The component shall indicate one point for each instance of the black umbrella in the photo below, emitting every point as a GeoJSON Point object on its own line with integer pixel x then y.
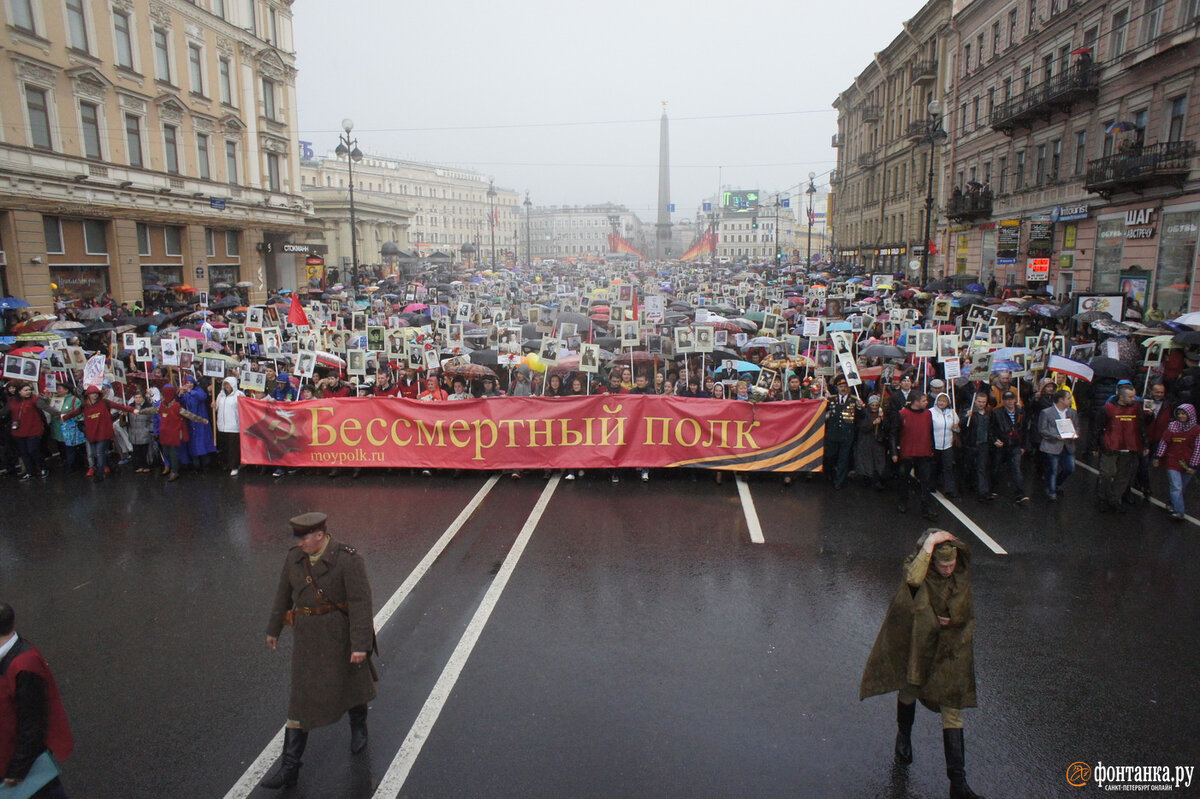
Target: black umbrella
{"type": "Point", "coordinates": [485, 357]}
{"type": "Point", "coordinates": [939, 285]}
{"type": "Point", "coordinates": [608, 342]}
{"type": "Point", "coordinates": [1110, 367]}
{"type": "Point", "coordinates": [1188, 337]}
{"type": "Point", "coordinates": [225, 303]}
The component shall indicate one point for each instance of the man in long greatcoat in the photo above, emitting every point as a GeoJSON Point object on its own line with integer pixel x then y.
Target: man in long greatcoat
{"type": "Point", "coordinates": [925, 649]}
{"type": "Point", "coordinates": [324, 594]}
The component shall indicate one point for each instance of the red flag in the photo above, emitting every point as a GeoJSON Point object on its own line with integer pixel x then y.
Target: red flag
{"type": "Point", "coordinates": [296, 314]}
{"type": "Point", "coordinates": [635, 308]}
{"type": "Point", "coordinates": [933, 250]}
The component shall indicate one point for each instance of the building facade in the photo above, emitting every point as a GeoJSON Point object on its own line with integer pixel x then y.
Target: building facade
{"type": "Point", "coordinates": [565, 232]}
{"type": "Point", "coordinates": [147, 143]}
{"type": "Point", "coordinates": [1074, 146]}
{"type": "Point", "coordinates": [421, 208]}
{"type": "Point", "coordinates": [880, 186]}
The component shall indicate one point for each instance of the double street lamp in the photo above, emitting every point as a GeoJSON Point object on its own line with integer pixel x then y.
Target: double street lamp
{"type": "Point", "coordinates": [491, 195]}
{"type": "Point", "coordinates": [811, 191]}
{"type": "Point", "coordinates": [933, 134]}
{"type": "Point", "coordinates": [528, 241]}
{"type": "Point", "coordinates": [349, 148]}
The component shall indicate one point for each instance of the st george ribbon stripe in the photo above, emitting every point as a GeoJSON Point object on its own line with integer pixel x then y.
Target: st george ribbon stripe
{"type": "Point", "coordinates": [397, 773]}
{"type": "Point", "coordinates": [258, 769]}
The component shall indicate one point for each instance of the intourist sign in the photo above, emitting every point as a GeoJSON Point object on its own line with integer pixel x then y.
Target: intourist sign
{"type": "Point", "coordinates": [1139, 223]}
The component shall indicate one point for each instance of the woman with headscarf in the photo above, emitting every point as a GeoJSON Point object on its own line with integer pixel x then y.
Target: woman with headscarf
{"type": "Point", "coordinates": [228, 429]}
{"type": "Point", "coordinates": [433, 391]}
{"type": "Point", "coordinates": [173, 429]}
{"type": "Point", "coordinates": [195, 400]}
{"type": "Point", "coordinates": [68, 434]}
{"type": "Point", "coordinates": [1179, 453]}
{"type": "Point", "coordinates": [870, 444]}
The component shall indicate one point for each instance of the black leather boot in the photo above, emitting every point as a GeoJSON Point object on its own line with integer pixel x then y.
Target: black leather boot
{"type": "Point", "coordinates": [956, 765]}
{"type": "Point", "coordinates": [288, 772]}
{"type": "Point", "coordinates": [358, 729]}
{"type": "Point", "coordinates": [904, 724]}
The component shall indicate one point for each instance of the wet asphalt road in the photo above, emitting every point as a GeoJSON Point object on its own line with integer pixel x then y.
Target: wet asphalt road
{"type": "Point", "coordinates": [642, 647]}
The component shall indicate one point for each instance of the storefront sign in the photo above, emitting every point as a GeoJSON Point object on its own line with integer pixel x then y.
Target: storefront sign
{"type": "Point", "coordinates": [601, 432]}
{"type": "Point", "coordinates": [1069, 213]}
{"type": "Point", "coordinates": [1008, 241]}
{"type": "Point", "coordinates": [1139, 223]}
{"type": "Point", "coordinates": [1037, 269]}
{"type": "Point", "coordinates": [1041, 236]}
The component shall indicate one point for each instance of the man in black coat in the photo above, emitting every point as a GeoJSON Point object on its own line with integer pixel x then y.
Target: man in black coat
{"type": "Point", "coordinates": [841, 421]}
{"type": "Point", "coordinates": [1008, 437]}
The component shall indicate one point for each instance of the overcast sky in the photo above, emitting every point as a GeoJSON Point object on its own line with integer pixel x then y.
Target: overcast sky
{"type": "Point", "coordinates": [562, 98]}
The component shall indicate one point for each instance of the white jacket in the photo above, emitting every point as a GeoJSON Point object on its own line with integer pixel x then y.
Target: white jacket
{"type": "Point", "coordinates": [944, 422]}
{"type": "Point", "coordinates": [227, 408]}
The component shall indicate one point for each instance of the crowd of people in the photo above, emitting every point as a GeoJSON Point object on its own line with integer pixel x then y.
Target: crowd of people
{"type": "Point", "coordinates": [894, 417]}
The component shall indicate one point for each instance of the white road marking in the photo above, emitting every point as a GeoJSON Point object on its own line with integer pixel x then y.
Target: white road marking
{"type": "Point", "coordinates": [258, 769]}
{"type": "Point", "coordinates": [756, 533]}
{"type": "Point", "coordinates": [1153, 500]}
{"type": "Point", "coordinates": [970, 525]}
{"type": "Point", "coordinates": [397, 773]}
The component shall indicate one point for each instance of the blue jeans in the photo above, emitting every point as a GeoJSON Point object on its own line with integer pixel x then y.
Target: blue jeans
{"type": "Point", "coordinates": [1058, 468]}
{"type": "Point", "coordinates": [1176, 482]}
{"type": "Point", "coordinates": [98, 450]}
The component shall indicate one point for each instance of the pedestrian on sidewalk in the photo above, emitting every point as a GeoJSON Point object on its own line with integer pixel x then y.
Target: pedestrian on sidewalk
{"type": "Point", "coordinates": [925, 649]}
{"type": "Point", "coordinates": [324, 594]}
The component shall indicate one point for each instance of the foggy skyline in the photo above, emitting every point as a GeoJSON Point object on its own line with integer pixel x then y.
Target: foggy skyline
{"type": "Point", "coordinates": [564, 101]}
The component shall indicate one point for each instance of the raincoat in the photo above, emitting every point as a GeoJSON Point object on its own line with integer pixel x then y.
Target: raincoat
{"type": "Point", "coordinates": [913, 651]}
{"type": "Point", "coordinates": [1180, 445]}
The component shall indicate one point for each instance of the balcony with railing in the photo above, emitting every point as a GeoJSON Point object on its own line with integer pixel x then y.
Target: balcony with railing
{"type": "Point", "coordinates": [868, 160]}
{"type": "Point", "coordinates": [924, 72]}
{"type": "Point", "coordinates": [916, 130]}
{"type": "Point", "coordinates": [872, 113]}
{"type": "Point", "coordinates": [836, 141]}
{"type": "Point", "coordinates": [1079, 82]}
{"type": "Point", "coordinates": [1140, 167]}
{"type": "Point", "coordinates": [974, 203]}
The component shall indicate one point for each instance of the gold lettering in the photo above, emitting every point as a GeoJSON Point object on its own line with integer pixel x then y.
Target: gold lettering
{"type": "Point", "coordinates": [351, 425]}
{"type": "Point", "coordinates": [396, 438]}
{"type": "Point", "coordinates": [743, 434]}
{"type": "Point", "coordinates": [534, 432]}
{"type": "Point", "coordinates": [723, 425]}
{"type": "Point", "coordinates": [618, 427]}
{"type": "Point", "coordinates": [375, 442]}
{"type": "Point", "coordinates": [693, 425]}
{"type": "Point", "coordinates": [425, 436]}
{"type": "Point", "coordinates": [511, 425]}
{"type": "Point", "coordinates": [318, 428]}
{"type": "Point", "coordinates": [480, 425]}
{"type": "Point", "coordinates": [459, 425]}
{"type": "Point", "coordinates": [570, 438]}
{"type": "Point", "coordinates": [650, 420]}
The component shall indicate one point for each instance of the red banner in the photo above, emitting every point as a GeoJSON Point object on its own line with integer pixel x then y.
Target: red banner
{"type": "Point", "coordinates": [599, 432]}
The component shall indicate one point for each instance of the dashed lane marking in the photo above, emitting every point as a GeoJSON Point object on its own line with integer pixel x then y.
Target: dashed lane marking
{"type": "Point", "coordinates": [988, 541]}
{"type": "Point", "coordinates": [258, 769]}
{"type": "Point", "coordinates": [397, 773]}
{"type": "Point", "coordinates": [756, 533]}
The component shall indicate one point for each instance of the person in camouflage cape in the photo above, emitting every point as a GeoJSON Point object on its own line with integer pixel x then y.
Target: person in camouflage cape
{"type": "Point", "coordinates": [925, 649]}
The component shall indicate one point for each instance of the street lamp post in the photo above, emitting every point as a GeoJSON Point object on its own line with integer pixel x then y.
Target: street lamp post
{"type": "Point", "coordinates": [349, 148]}
{"type": "Point", "coordinates": [933, 134]}
{"type": "Point", "coordinates": [811, 192]}
{"type": "Point", "coordinates": [528, 240]}
{"type": "Point", "coordinates": [491, 195]}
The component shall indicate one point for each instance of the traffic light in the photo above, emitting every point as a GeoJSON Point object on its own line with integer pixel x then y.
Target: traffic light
{"type": "Point", "coordinates": [754, 222]}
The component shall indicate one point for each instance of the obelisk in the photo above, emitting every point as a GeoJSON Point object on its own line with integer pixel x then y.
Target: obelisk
{"type": "Point", "coordinates": [662, 229]}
